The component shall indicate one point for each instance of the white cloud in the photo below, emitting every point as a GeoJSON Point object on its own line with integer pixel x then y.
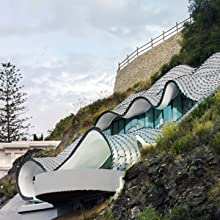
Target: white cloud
{"type": "Point", "coordinates": [68, 50]}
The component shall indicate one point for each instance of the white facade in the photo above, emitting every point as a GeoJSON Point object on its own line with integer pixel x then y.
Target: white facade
{"type": "Point", "coordinates": [9, 152]}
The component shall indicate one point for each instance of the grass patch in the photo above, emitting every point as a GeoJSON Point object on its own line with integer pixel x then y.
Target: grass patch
{"type": "Point", "coordinates": [149, 213]}
{"type": "Point", "coordinates": [214, 196]}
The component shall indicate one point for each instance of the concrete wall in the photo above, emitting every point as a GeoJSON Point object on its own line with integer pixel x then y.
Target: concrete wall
{"type": "Point", "coordinates": [7, 157]}
{"type": "Point", "coordinates": [9, 152]}
{"type": "Point", "coordinates": [147, 64]}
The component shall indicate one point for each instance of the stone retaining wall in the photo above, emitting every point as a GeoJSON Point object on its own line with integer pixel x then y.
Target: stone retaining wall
{"type": "Point", "coordinates": [147, 64]}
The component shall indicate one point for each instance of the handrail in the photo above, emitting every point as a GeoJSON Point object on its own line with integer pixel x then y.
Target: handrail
{"type": "Point", "coordinates": [153, 42]}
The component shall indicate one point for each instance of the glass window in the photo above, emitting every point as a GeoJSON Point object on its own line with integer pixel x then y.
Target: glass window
{"type": "Point", "coordinates": [127, 125]}
{"type": "Point", "coordinates": [134, 124]}
{"type": "Point", "coordinates": [149, 119]}
{"type": "Point", "coordinates": [141, 120]}
{"type": "Point", "coordinates": [177, 108]}
{"type": "Point", "coordinates": [187, 104]}
{"type": "Point", "coordinates": [115, 127]}
{"type": "Point", "coordinates": [107, 164]}
{"type": "Point", "coordinates": [168, 113]}
{"type": "Point", "coordinates": [121, 126]}
{"type": "Point", "coordinates": [134, 121]}
{"type": "Point", "coordinates": [158, 118]}
{"type": "Point", "coordinates": [107, 131]}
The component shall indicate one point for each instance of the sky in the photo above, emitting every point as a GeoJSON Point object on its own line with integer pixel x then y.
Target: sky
{"type": "Point", "coordinates": [68, 50]}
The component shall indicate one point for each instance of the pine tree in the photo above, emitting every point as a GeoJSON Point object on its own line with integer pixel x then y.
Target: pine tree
{"type": "Point", "coordinates": [14, 125]}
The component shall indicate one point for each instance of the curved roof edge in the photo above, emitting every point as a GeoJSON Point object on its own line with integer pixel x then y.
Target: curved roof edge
{"type": "Point", "coordinates": [115, 114]}
{"type": "Point", "coordinates": [18, 187]}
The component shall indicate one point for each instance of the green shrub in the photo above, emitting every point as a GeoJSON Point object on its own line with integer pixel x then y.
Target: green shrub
{"type": "Point", "coordinates": [214, 196]}
{"type": "Point", "coordinates": [61, 128]}
{"type": "Point", "coordinates": [215, 143]}
{"type": "Point", "coordinates": [108, 215]}
{"type": "Point", "coordinates": [215, 191]}
{"type": "Point", "coordinates": [169, 134]}
{"type": "Point", "coordinates": [183, 143]}
{"type": "Point", "coordinates": [179, 213]}
{"type": "Point", "coordinates": [149, 213]}
{"type": "Point", "coordinates": [175, 61]}
{"type": "Point", "coordinates": [200, 39]}
{"type": "Point", "coordinates": [148, 151]}
{"type": "Point", "coordinates": [201, 131]}
{"type": "Point", "coordinates": [7, 189]}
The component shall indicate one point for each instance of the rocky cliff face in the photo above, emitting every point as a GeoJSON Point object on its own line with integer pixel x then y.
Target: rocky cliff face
{"type": "Point", "coordinates": [185, 187]}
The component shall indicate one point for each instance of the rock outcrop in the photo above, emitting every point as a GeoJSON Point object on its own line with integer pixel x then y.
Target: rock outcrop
{"type": "Point", "coordinates": [172, 185]}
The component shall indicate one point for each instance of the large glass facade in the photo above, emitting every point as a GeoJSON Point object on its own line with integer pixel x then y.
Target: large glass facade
{"type": "Point", "coordinates": [158, 118]}
{"type": "Point", "coordinates": [177, 107]}
{"type": "Point", "coordinates": [149, 118]}
{"type": "Point", "coordinates": [153, 118]}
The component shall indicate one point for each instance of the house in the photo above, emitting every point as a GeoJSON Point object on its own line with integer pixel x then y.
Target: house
{"type": "Point", "coordinates": [9, 152]}
{"type": "Point", "coordinates": [94, 164]}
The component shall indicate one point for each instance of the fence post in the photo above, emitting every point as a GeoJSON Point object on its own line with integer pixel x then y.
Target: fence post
{"type": "Point", "coordinates": [177, 27]}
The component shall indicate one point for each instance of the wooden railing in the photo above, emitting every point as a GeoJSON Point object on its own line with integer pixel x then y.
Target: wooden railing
{"type": "Point", "coordinates": [153, 42]}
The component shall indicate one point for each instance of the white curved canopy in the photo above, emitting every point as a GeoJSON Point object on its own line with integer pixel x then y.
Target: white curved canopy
{"type": "Point", "coordinates": [57, 182]}
{"type": "Point", "coordinates": [25, 179]}
{"type": "Point", "coordinates": [92, 153]}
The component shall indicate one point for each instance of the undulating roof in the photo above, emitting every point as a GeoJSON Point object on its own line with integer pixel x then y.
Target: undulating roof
{"type": "Point", "coordinates": [193, 83]}
{"type": "Point", "coordinates": [51, 163]}
{"type": "Point", "coordinates": [124, 147]}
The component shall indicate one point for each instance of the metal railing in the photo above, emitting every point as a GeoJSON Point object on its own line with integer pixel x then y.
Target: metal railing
{"type": "Point", "coordinates": [154, 42]}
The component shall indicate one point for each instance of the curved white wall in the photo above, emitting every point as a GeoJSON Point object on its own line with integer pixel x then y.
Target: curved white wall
{"type": "Point", "coordinates": [25, 178]}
